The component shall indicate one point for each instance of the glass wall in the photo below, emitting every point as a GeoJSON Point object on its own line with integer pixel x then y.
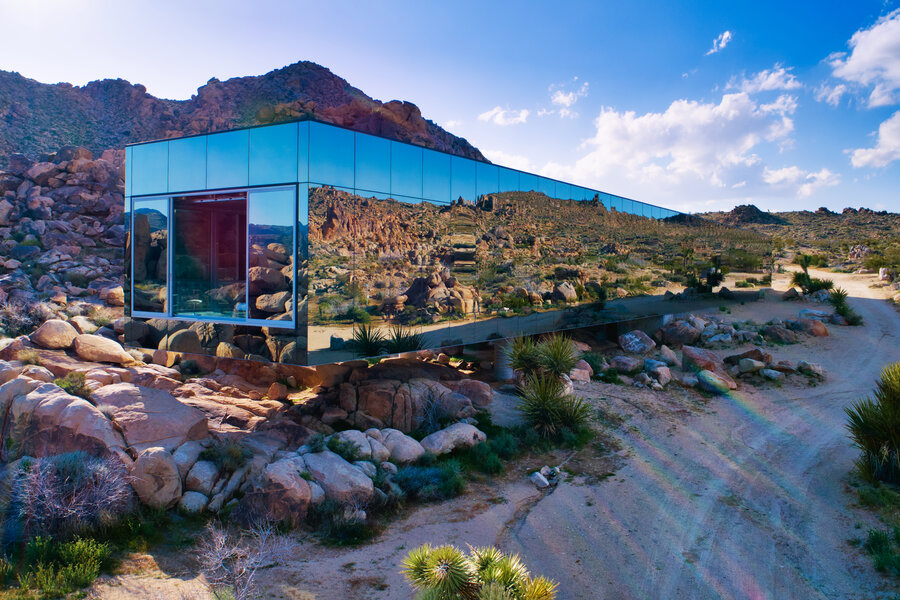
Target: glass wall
{"type": "Point", "coordinates": [369, 234]}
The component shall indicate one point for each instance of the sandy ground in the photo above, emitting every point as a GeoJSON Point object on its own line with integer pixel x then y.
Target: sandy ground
{"type": "Point", "coordinates": [740, 496]}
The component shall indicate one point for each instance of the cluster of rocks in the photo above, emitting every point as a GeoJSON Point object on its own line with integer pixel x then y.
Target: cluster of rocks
{"type": "Point", "coordinates": [437, 294]}
{"type": "Point", "coordinates": [647, 365]}
{"type": "Point", "coordinates": [57, 217]}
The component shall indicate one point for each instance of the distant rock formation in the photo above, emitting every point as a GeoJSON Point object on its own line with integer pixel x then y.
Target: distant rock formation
{"type": "Point", "coordinates": [38, 118]}
{"type": "Point", "coordinates": [748, 213]}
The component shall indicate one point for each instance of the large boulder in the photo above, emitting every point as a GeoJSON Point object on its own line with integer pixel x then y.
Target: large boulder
{"type": "Point", "coordinates": [193, 503]}
{"type": "Point", "coordinates": [700, 359]}
{"type": "Point", "coordinates": [679, 333]}
{"type": "Point", "coordinates": [100, 349]}
{"type": "Point", "coordinates": [155, 478]}
{"type": "Point", "coordinates": [54, 333]}
{"type": "Point", "coordinates": [565, 292]}
{"type": "Point", "coordinates": [343, 482]}
{"type": "Point", "coordinates": [150, 417]}
{"type": "Point", "coordinates": [813, 327]}
{"type": "Point", "coordinates": [202, 477]}
{"type": "Point", "coordinates": [626, 364]}
{"type": "Point", "coordinates": [282, 494]}
{"type": "Point", "coordinates": [713, 382]}
{"type": "Point", "coordinates": [779, 334]}
{"type": "Point", "coordinates": [43, 420]}
{"type": "Point", "coordinates": [753, 353]}
{"type": "Point", "coordinates": [358, 439]}
{"type": "Point", "coordinates": [403, 448]}
{"type": "Point", "coordinates": [480, 393]}
{"type": "Point", "coordinates": [458, 435]}
{"type": "Point", "coordinates": [636, 342]}
{"type": "Point", "coordinates": [184, 340]}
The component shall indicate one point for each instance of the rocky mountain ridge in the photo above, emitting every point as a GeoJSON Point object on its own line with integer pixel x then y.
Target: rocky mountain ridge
{"type": "Point", "coordinates": [38, 118]}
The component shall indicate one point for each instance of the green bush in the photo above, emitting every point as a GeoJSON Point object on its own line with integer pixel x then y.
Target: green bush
{"type": "Point", "coordinates": [56, 569]}
{"type": "Point", "coordinates": [189, 368]}
{"type": "Point", "coordinates": [401, 340]}
{"type": "Point", "coordinates": [357, 314]}
{"type": "Point", "coordinates": [74, 384]}
{"type": "Point", "coordinates": [524, 354]}
{"type": "Point", "coordinates": [229, 455]}
{"type": "Point", "coordinates": [558, 355]}
{"type": "Point", "coordinates": [439, 482]}
{"type": "Point", "coordinates": [547, 409]}
{"type": "Point", "coordinates": [340, 525]}
{"type": "Point", "coordinates": [344, 448]}
{"type": "Point", "coordinates": [874, 427]}
{"type": "Point", "coordinates": [367, 340]}
{"type": "Point", "coordinates": [446, 573]}
{"type": "Point", "coordinates": [595, 360]}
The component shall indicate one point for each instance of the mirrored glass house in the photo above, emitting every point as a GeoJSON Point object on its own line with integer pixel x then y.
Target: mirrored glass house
{"type": "Point", "coordinates": [281, 242]}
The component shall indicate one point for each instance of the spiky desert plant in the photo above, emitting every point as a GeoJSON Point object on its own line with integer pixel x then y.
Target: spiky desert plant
{"type": "Point", "coordinates": [558, 355]}
{"type": "Point", "coordinates": [838, 299]}
{"type": "Point", "coordinates": [874, 427]}
{"type": "Point", "coordinates": [547, 409]}
{"type": "Point", "coordinates": [367, 340]}
{"type": "Point", "coordinates": [447, 573]}
{"type": "Point", "coordinates": [524, 355]}
{"type": "Point", "coordinates": [401, 339]}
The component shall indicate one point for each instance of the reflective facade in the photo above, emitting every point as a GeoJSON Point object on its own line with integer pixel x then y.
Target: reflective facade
{"type": "Point", "coordinates": [276, 242]}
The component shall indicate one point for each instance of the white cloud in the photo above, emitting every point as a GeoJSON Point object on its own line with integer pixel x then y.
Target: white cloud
{"type": "Point", "coordinates": [504, 116]}
{"type": "Point", "coordinates": [693, 152]}
{"type": "Point", "coordinates": [831, 94]}
{"type": "Point", "coordinates": [886, 149]}
{"type": "Point", "coordinates": [767, 80]}
{"type": "Point", "coordinates": [564, 99]}
{"type": "Point", "coordinates": [507, 159]}
{"type": "Point", "coordinates": [720, 42]}
{"type": "Point", "coordinates": [874, 60]}
{"type": "Point", "coordinates": [795, 178]}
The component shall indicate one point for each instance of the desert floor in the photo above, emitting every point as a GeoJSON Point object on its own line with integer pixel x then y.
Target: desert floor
{"type": "Point", "coordinates": [684, 496]}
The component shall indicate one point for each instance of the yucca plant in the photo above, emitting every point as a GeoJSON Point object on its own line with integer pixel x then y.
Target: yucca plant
{"type": "Point", "coordinates": [558, 355]}
{"type": "Point", "coordinates": [400, 339]}
{"type": "Point", "coordinates": [838, 298]}
{"type": "Point", "coordinates": [524, 355]}
{"type": "Point", "coordinates": [874, 427]}
{"type": "Point", "coordinates": [447, 573]}
{"type": "Point", "coordinates": [367, 340]}
{"type": "Point", "coordinates": [548, 409]}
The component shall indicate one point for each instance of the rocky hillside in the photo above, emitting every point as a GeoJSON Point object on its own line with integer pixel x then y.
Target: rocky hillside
{"type": "Point", "coordinates": [823, 226]}
{"type": "Point", "coordinates": [38, 118]}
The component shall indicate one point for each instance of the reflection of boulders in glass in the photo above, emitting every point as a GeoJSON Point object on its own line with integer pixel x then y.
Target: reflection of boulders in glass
{"type": "Point", "coordinates": [150, 250]}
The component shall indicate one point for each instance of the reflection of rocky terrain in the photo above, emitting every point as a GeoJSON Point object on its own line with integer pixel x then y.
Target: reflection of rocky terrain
{"type": "Point", "coordinates": [37, 117]}
{"type": "Point", "coordinates": [504, 253]}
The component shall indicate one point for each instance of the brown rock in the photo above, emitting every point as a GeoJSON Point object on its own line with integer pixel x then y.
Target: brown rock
{"type": "Point", "coordinates": [679, 333]}
{"type": "Point", "coordinates": [155, 478]}
{"type": "Point", "coordinates": [813, 327]}
{"type": "Point", "coordinates": [100, 349]}
{"type": "Point", "coordinates": [54, 333]}
{"type": "Point", "coordinates": [278, 392]}
{"type": "Point", "coordinates": [700, 359]}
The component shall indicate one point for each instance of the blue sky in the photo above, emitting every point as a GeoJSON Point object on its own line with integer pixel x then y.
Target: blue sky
{"type": "Point", "coordinates": [692, 105]}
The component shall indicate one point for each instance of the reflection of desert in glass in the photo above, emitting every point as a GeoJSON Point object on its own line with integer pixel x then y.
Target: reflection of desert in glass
{"type": "Point", "coordinates": [505, 264]}
{"type": "Point", "coordinates": [150, 245]}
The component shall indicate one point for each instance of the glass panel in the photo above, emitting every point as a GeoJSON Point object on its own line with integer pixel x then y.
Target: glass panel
{"type": "Point", "coordinates": [373, 164]}
{"type": "Point", "coordinates": [227, 159]}
{"type": "Point", "coordinates": [509, 180]}
{"type": "Point", "coordinates": [547, 186]}
{"type": "Point", "coordinates": [149, 170]}
{"type": "Point", "coordinates": [127, 214]}
{"type": "Point", "coordinates": [148, 248]}
{"type": "Point", "coordinates": [187, 164]}
{"type": "Point", "coordinates": [210, 255]}
{"type": "Point", "coordinates": [406, 170]}
{"type": "Point", "coordinates": [331, 152]}
{"type": "Point", "coordinates": [436, 176]}
{"type": "Point", "coordinates": [528, 182]}
{"type": "Point", "coordinates": [462, 181]}
{"type": "Point", "coordinates": [271, 277]}
{"type": "Point", "coordinates": [487, 179]}
{"type": "Point", "coordinates": [303, 151]}
{"type": "Point", "coordinates": [563, 191]}
{"type": "Point", "coordinates": [273, 154]}
{"type": "Point", "coordinates": [129, 161]}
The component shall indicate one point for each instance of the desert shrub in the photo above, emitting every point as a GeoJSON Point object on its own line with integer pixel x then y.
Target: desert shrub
{"type": "Point", "coordinates": [6, 570]}
{"type": "Point", "coordinates": [595, 360]}
{"type": "Point", "coordinates": [69, 493]}
{"type": "Point", "coordinates": [874, 427]}
{"type": "Point", "coordinates": [344, 448]}
{"type": "Point", "coordinates": [28, 356]}
{"type": "Point", "coordinates": [838, 299]}
{"type": "Point", "coordinates": [547, 409]}
{"type": "Point", "coordinates": [610, 375]}
{"type": "Point", "coordinates": [819, 284]}
{"type": "Point", "coordinates": [446, 573]}
{"type": "Point", "coordinates": [524, 354]}
{"type": "Point", "coordinates": [231, 561]}
{"type": "Point", "coordinates": [189, 368]}
{"type": "Point", "coordinates": [743, 284]}
{"type": "Point", "coordinates": [558, 355]}
{"type": "Point", "coordinates": [229, 455]}
{"type": "Point", "coordinates": [483, 458]}
{"type": "Point", "coordinates": [358, 314]}
{"type": "Point", "coordinates": [400, 339]}
{"type": "Point", "coordinates": [316, 443]}
{"type": "Point", "coordinates": [341, 524]}
{"type": "Point", "coordinates": [74, 383]}
{"type": "Point", "coordinates": [367, 340]}
{"type": "Point", "coordinates": [809, 284]}
{"type": "Point", "coordinates": [16, 319]}
{"type": "Point", "coordinates": [883, 547]}
{"type": "Point", "coordinates": [438, 482]}
{"type": "Point", "coordinates": [810, 260]}
{"type": "Point", "coordinates": [56, 569]}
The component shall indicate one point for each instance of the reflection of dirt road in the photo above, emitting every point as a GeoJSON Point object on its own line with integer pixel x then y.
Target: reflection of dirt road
{"type": "Point", "coordinates": [733, 497]}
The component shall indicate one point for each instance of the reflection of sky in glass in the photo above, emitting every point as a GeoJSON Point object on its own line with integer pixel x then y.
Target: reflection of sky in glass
{"type": "Point", "coordinates": [373, 164]}
{"type": "Point", "coordinates": [509, 180]}
{"type": "Point", "coordinates": [462, 179]}
{"type": "Point", "coordinates": [547, 186]}
{"type": "Point", "coordinates": [406, 170]}
{"type": "Point", "coordinates": [331, 155]}
{"type": "Point", "coordinates": [187, 164]}
{"type": "Point", "coordinates": [272, 207]}
{"type": "Point", "coordinates": [486, 179]}
{"type": "Point", "coordinates": [150, 169]}
{"type": "Point", "coordinates": [436, 176]}
{"type": "Point", "coordinates": [273, 154]}
{"type": "Point", "coordinates": [528, 182]}
{"type": "Point", "coordinates": [227, 159]}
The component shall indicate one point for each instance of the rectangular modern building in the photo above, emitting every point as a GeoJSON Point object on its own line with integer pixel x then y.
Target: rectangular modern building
{"type": "Point", "coordinates": [281, 242]}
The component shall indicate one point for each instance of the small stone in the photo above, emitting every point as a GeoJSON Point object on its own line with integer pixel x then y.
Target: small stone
{"type": "Point", "coordinates": [278, 392]}
{"type": "Point", "coordinates": [539, 481]}
{"type": "Point", "coordinates": [193, 503]}
{"type": "Point", "coordinates": [772, 374]}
